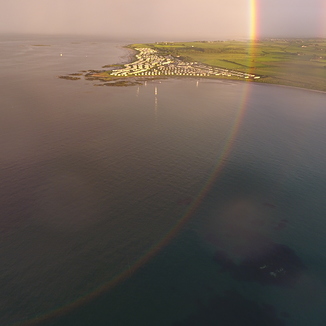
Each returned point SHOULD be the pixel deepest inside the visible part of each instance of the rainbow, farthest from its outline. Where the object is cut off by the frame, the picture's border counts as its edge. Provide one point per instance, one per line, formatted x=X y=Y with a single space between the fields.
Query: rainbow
x=253 y=33
x=219 y=165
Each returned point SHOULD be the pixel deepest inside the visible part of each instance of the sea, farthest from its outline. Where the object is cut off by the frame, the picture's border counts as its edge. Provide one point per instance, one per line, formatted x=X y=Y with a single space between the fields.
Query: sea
x=180 y=201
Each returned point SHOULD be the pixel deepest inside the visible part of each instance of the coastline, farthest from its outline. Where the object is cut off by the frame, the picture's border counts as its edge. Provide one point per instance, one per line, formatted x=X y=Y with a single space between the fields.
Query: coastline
x=106 y=77
x=295 y=87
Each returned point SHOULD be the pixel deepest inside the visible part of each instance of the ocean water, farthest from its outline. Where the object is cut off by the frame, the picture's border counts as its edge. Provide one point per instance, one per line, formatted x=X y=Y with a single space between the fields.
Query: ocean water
x=178 y=202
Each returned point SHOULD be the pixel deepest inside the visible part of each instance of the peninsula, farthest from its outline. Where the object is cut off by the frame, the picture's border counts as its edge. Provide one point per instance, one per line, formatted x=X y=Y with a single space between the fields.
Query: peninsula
x=291 y=62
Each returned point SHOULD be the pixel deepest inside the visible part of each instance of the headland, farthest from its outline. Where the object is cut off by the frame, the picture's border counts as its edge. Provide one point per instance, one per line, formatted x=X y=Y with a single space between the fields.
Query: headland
x=290 y=62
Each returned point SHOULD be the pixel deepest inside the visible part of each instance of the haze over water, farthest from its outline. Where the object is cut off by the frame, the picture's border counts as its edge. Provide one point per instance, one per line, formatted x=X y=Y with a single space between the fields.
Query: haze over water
x=94 y=179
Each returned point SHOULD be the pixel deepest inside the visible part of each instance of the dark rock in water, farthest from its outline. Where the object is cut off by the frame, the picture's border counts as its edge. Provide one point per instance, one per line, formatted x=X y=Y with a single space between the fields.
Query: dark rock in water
x=233 y=309
x=116 y=66
x=69 y=77
x=121 y=83
x=276 y=265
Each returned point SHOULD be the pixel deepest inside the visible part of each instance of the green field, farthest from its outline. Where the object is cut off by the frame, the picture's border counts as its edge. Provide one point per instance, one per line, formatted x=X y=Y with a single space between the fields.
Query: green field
x=293 y=62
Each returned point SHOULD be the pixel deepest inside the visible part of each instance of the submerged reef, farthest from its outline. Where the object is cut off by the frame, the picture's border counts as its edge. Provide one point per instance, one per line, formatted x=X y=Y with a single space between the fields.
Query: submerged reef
x=277 y=264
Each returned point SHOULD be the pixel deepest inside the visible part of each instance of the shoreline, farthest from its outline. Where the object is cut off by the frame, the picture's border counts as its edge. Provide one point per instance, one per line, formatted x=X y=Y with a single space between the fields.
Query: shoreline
x=295 y=87
x=106 y=76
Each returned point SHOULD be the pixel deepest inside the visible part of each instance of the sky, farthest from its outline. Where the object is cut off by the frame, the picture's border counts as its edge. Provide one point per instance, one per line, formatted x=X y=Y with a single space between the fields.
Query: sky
x=168 y=19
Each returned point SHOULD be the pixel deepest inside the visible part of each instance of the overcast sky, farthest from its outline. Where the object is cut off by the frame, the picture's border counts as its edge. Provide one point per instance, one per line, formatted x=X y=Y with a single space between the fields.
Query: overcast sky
x=165 y=20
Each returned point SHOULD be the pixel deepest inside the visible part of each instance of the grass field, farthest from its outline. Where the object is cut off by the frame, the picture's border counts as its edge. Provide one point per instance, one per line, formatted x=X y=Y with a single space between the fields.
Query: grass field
x=293 y=62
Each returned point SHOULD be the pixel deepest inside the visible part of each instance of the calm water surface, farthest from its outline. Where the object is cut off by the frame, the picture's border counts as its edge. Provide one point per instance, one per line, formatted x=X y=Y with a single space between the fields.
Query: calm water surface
x=202 y=204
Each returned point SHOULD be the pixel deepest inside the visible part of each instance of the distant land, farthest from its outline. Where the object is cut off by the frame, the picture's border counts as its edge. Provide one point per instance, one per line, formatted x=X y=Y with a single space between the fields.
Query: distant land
x=291 y=62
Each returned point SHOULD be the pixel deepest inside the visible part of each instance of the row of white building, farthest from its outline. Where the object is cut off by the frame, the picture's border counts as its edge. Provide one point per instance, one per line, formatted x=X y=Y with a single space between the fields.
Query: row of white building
x=149 y=63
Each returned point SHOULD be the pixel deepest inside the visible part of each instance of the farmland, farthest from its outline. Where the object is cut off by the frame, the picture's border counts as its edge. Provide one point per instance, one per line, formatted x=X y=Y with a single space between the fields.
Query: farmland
x=292 y=62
